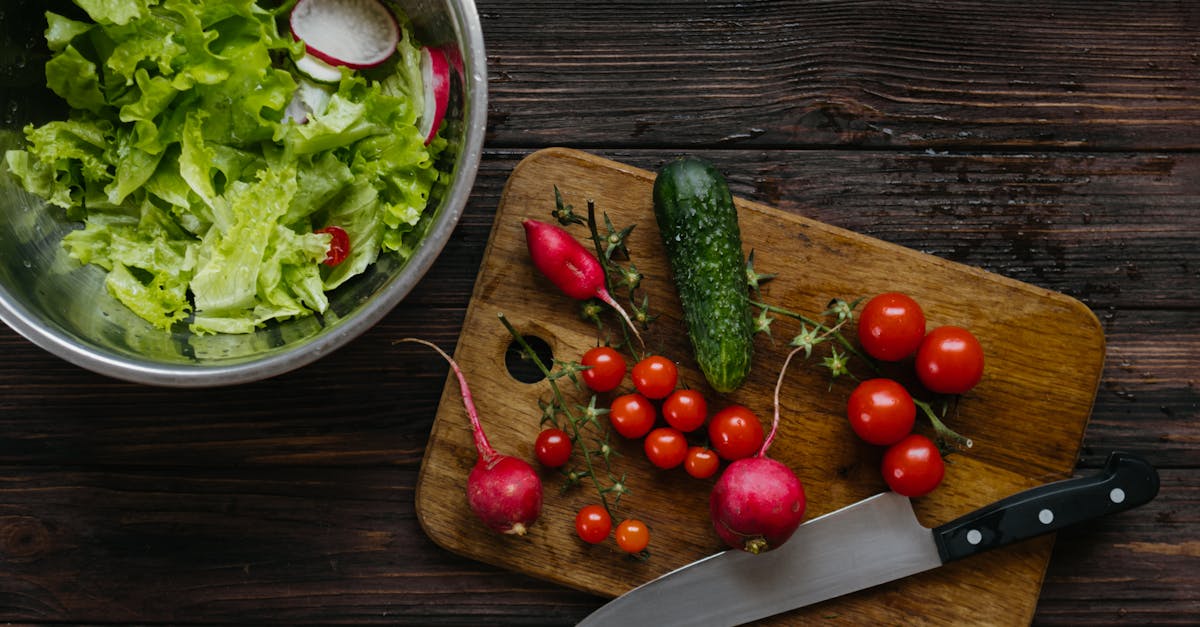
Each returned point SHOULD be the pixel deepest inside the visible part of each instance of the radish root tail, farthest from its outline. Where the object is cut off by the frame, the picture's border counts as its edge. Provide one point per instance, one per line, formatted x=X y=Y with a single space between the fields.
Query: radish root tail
x=778 y=385
x=481 y=442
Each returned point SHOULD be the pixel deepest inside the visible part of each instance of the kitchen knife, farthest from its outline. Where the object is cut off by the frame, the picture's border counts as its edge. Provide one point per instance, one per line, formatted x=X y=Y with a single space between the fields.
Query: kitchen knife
x=873 y=541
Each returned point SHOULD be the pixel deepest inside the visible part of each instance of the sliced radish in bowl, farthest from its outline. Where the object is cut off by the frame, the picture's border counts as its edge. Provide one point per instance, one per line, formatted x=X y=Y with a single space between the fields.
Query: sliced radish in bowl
x=353 y=33
x=317 y=69
x=435 y=74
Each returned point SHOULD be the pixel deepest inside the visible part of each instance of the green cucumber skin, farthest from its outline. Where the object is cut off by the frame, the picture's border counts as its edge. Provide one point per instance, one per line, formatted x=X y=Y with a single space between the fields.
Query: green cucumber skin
x=699 y=225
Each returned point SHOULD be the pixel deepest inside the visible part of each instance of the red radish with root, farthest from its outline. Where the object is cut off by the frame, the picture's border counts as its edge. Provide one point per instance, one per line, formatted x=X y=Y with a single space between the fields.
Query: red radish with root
x=435 y=76
x=758 y=502
x=504 y=491
x=570 y=266
x=356 y=34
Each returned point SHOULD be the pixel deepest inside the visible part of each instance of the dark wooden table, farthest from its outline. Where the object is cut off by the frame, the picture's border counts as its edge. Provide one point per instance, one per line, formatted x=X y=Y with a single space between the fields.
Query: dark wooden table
x=1057 y=143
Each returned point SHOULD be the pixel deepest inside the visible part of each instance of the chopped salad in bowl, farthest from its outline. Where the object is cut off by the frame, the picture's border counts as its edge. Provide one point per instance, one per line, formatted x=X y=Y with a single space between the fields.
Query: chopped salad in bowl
x=198 y=193
x=219 y=184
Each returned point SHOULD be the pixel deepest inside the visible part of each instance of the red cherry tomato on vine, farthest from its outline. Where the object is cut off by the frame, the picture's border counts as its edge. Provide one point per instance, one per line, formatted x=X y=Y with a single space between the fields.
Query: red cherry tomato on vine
x=881 y=411
x=891 y=326
x=553 y=447
x=339 y=245
x=701 y=462
x=633 y=536
x=950 y=360
x=655 y=376
x=631 y=415
x=665 y=447
x=592 y=524
x=913 y=466
x=735 y=432
x=606 y=368
x=685 y=410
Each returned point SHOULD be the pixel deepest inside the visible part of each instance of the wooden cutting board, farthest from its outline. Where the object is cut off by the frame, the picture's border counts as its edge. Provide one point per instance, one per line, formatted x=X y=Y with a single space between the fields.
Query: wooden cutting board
x=1044 y=353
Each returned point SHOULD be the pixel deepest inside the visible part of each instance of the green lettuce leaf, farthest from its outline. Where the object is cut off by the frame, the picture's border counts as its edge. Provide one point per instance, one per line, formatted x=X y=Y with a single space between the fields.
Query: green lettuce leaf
x=197 y=195
x=60 y=30
x=114 y=11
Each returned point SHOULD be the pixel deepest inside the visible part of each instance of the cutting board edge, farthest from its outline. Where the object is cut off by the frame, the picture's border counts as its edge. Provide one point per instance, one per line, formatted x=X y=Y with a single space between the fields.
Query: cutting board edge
x=462 y=545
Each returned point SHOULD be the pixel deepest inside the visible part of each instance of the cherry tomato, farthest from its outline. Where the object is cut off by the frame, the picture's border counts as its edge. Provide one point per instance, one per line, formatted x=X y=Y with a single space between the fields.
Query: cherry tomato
x=655 y=376
x=553 y=447
x=685 y=410
x=633 y=536
x=631 y=415
x=701 y=462
x=891 y=326
x=881 y=411
x=339 y=245
x=666 y=447
x=606 y=368
x=735 y=432
x=913 y=466
x=592 y=524
x=950 y=360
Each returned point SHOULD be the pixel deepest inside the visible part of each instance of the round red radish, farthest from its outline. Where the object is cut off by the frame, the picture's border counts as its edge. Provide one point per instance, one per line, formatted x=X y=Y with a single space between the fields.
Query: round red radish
x=435 y=75
x=503 y=491
x=758 y=502
x=355 y=33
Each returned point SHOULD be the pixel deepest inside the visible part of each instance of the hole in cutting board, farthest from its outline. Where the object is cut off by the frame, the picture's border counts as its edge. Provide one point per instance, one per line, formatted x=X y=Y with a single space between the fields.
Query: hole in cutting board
x=522 y=367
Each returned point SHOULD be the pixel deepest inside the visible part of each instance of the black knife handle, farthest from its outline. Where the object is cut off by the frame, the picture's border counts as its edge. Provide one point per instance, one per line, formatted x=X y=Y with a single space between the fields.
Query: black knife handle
x=1126 y=482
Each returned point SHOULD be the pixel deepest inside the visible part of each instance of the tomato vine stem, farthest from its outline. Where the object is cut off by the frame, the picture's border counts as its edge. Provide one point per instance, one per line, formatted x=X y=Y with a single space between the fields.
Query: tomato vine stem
x=618 y=485
x=944 y=434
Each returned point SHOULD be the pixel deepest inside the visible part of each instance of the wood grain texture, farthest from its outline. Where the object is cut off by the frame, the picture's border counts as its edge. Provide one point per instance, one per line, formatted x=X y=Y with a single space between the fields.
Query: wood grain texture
x=1027 y=430
x=1068 y=74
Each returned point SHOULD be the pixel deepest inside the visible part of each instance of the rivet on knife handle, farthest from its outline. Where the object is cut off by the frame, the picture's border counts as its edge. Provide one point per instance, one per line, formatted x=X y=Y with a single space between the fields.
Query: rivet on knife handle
x=1126 y=482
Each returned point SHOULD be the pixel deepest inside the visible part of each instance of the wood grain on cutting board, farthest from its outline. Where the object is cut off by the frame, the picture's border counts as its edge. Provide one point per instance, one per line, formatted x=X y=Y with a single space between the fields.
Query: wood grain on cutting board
x=1044 y=355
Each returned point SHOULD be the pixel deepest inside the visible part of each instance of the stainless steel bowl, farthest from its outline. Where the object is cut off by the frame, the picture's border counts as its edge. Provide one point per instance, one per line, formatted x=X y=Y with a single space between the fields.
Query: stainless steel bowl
x=64 y=308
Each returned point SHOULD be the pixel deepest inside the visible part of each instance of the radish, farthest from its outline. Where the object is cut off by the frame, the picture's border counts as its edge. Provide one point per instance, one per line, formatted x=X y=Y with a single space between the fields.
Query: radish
x=318 y=70
x=570 y=266
x=435 y=77
x=356 y=34
x=504 y=491
x=454 y=56
x=758 y=502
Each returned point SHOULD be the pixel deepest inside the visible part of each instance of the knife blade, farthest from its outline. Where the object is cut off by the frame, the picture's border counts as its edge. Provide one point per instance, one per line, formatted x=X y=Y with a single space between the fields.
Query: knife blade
x=862 y=545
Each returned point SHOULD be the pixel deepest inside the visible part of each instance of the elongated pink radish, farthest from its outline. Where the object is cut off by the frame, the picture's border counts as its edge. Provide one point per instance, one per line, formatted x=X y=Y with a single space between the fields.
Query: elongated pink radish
x=570 y=266
x=435 y=75
x=503 y=491
x=758 y=502
x=355 y=33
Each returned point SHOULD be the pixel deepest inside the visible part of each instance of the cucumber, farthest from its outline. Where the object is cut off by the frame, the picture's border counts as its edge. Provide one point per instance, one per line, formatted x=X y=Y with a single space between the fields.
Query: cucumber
x=699 y=225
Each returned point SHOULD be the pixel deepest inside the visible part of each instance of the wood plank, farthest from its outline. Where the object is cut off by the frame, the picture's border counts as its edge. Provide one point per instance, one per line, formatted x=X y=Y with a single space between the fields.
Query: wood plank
x=869 y=73
x=289 y=546
x=302 y=546
x=1133 y=569
x=1027 y=429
